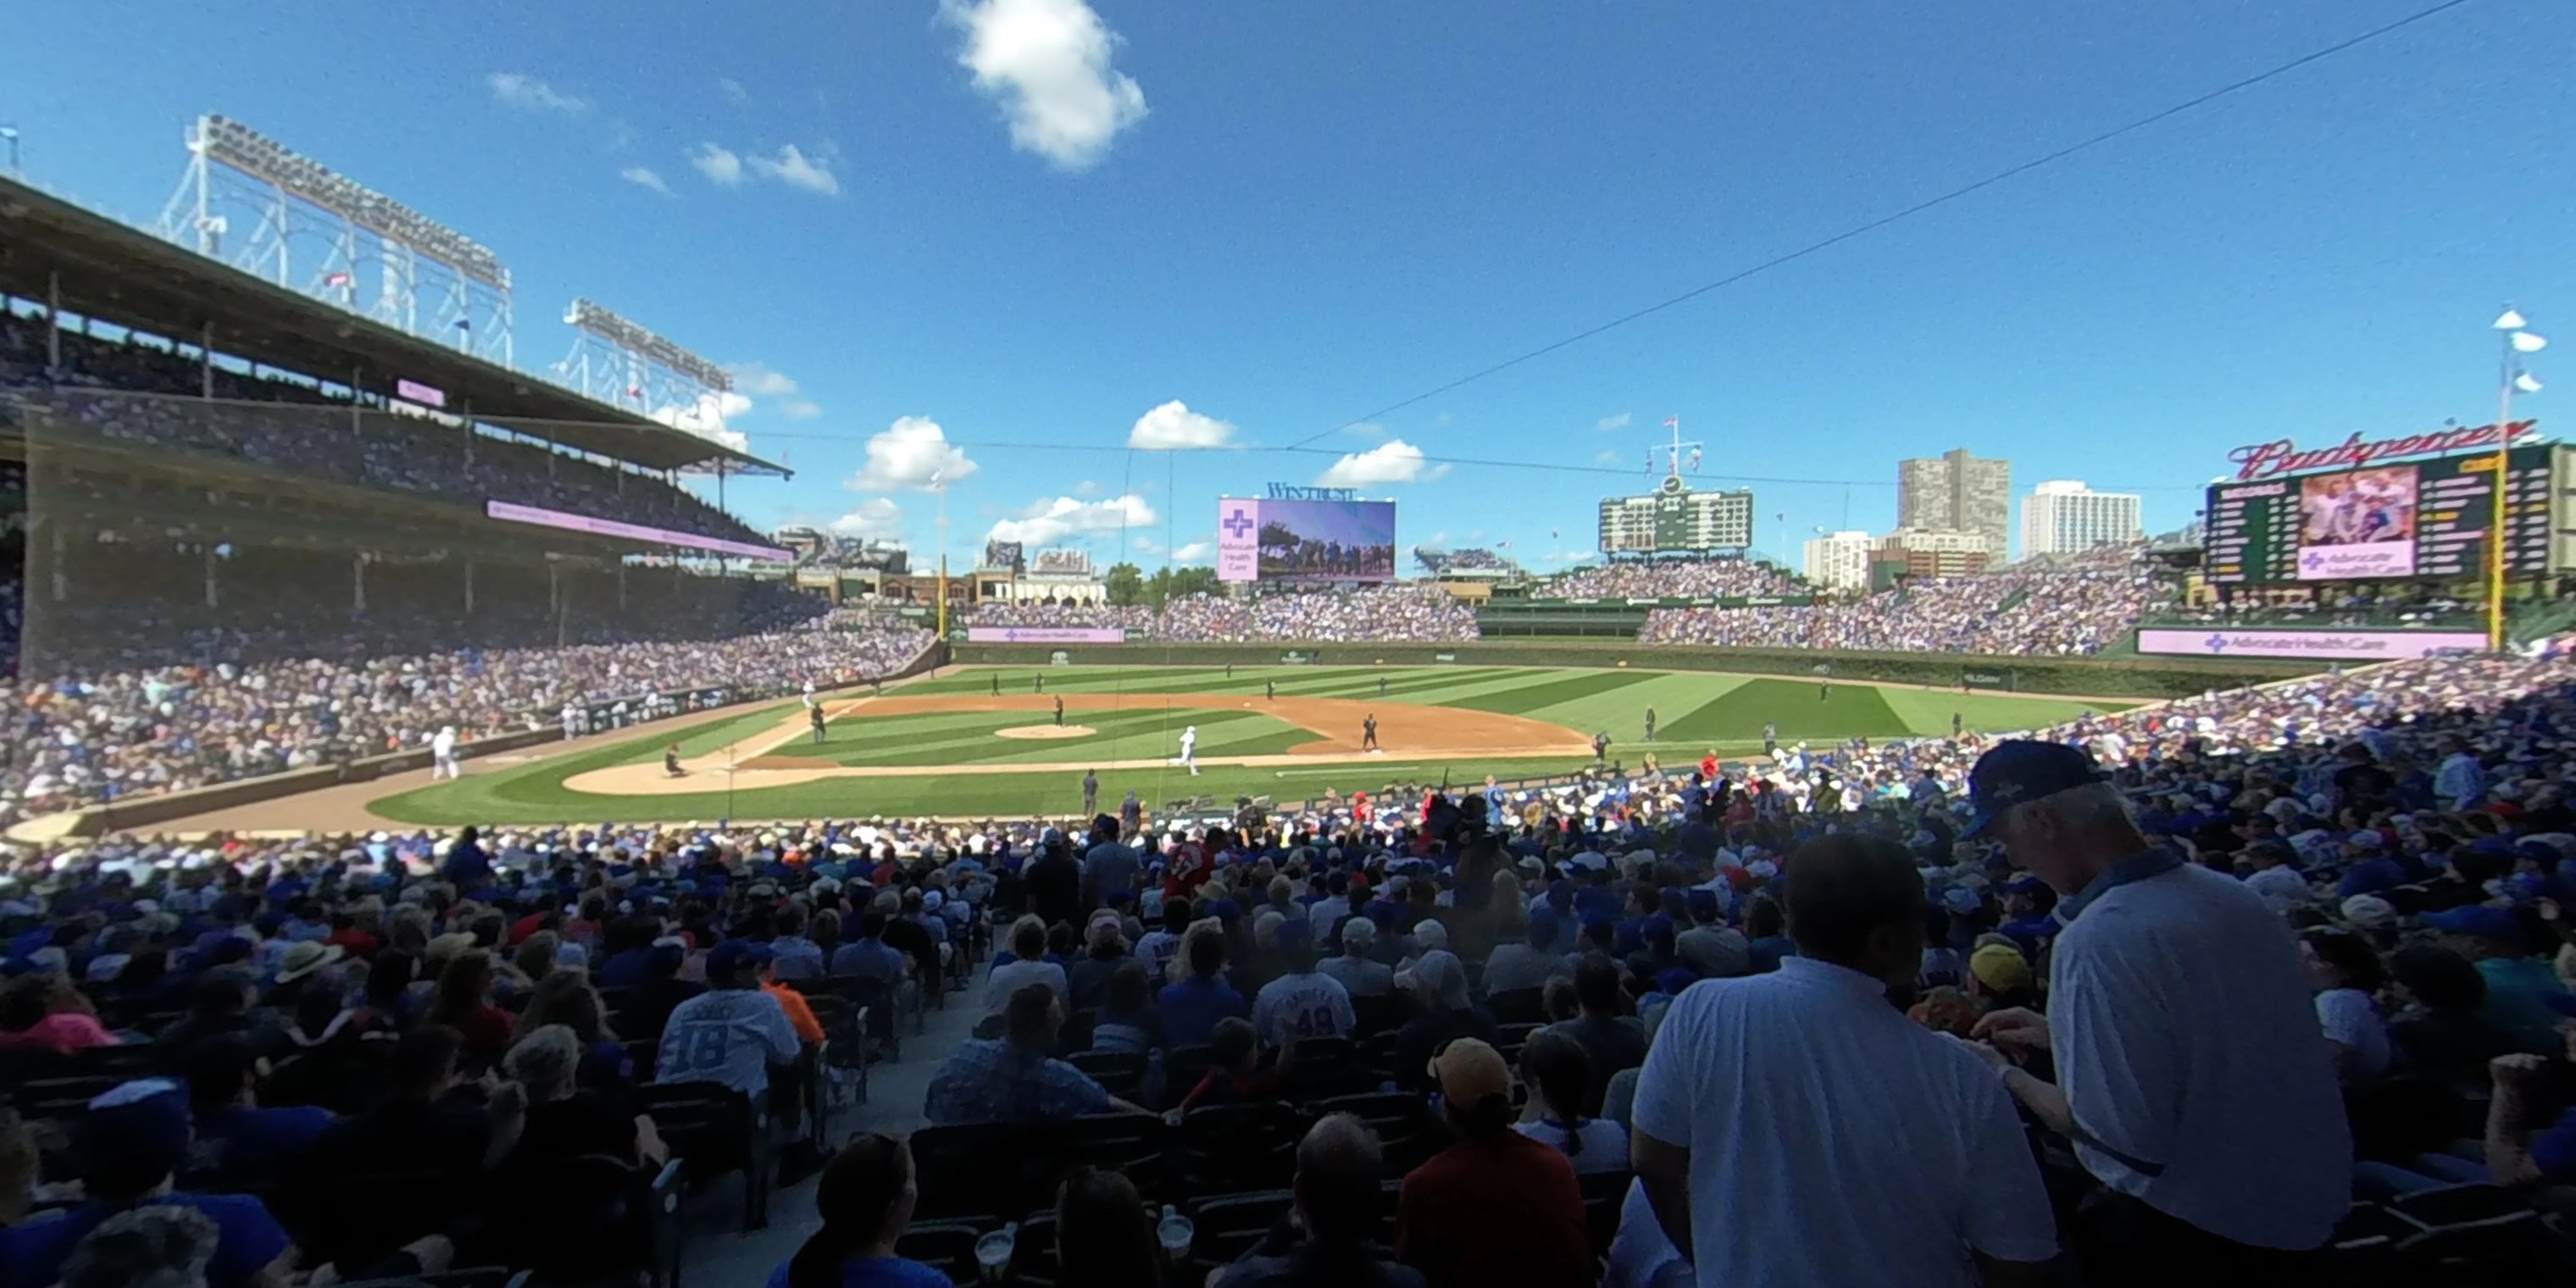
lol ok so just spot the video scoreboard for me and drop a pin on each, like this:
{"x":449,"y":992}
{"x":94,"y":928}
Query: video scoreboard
{"x":2422,"y":519}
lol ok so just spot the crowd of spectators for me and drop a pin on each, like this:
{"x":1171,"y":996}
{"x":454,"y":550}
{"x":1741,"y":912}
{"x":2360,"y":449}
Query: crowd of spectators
{"x":1390,"y":612}
{"x":89,"y":733}
{"x":1466,"y":559}
{"x":2079,"y":605}
{"x":1691,"y":577}
{"x":1134,"y":617}
{"x":136,"y":393}
{"x":2193,"y":991}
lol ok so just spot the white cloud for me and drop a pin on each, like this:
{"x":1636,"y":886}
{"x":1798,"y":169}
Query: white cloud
{"x":1190,"y":552}
{"x":1440,"y":538}
{"x":1174,"y":425}
{"x":1608,"y":457}
{"x":1046,"y":62}
{"x":1367,"y":429}
{"x":1146,"y":545}
{"x":1393,"y":461}
{"x":906,"y":454}
{"x":800,"y":409}
{"x":733,"y":89}
{"x":721,"y":167}
{"x":643,"y":176}
{"x":1086,"y":488}
{"x":876,"y":517}
{"x":707,"y":416}
{"x":518,"y":89}
{"x":758,"y":380}
{"x":797,"y":170}
{"x":1608,"y":423}
{"x":1047,"y":522}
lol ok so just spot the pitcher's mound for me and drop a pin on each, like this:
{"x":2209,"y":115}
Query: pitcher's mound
{"x":1045,"y":731}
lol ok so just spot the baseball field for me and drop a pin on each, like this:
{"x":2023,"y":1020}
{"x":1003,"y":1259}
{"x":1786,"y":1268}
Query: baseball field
{"x":989,"y":740}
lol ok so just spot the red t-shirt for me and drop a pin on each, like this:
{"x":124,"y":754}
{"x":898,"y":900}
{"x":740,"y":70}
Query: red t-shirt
{"x":526,"y":926}
{"x":355,"y":942}
{"x":1496,"y":1210}
{"x":1185,"y":869}
{"x":1707,"y":768}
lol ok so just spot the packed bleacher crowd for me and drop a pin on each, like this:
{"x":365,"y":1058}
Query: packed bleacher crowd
{"x":2260,"y":987}
{"x":1391,"y":612}
{"x":1038,"y":613}
{"x":1672,"y":578}
{"x":135,"y":393}
{"x":1465,"y":559}
{"x":2079,"y":605}
{"x":85,"y":732}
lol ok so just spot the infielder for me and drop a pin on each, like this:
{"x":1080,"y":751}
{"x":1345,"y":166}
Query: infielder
{"x":1368,"y":731}
{"x":442,"y":754}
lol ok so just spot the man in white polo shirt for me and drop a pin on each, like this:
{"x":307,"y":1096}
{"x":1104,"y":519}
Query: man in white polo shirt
{"x":2192,"y":1076}
{"x":1795,"y":1129}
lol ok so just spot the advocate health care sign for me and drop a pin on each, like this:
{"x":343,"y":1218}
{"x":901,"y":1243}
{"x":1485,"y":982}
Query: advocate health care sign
{"x":2371,"y":646}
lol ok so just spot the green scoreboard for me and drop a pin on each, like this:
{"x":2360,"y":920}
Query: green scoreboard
{"x":2420,"y":519}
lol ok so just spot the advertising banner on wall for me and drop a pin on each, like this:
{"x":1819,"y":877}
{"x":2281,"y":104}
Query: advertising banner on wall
{"x":1046,"y":635}
{"x":1304,"y":540}
{"x":2366,"y":646}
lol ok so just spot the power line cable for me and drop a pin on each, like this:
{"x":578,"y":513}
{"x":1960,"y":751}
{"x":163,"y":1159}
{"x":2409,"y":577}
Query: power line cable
{"x":1908,"y":212}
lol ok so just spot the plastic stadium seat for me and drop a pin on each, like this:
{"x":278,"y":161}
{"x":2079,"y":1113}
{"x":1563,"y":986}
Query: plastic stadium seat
{"x":982,"y":1169}
{"x":1518,"y":1006}
{"x":1603,"y":1193}
{"x":2453,"y":1204}
{"x":1381,"y":1014}
{"x":715,"y":1129}
{"x":1122,"y":1073}
{"x":945,"y":1246}
{"x":1229,"y":1225}
{"x":1239,"y":1147}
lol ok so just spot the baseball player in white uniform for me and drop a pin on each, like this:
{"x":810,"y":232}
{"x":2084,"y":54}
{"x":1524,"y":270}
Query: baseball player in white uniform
{"x":809,"y":695}
{"x":1189,"y":746}
{"x":442,"y":754}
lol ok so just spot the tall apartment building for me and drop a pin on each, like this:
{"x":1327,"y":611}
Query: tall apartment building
{"x":1934,"y":552}
{"x":1956,"y":492}
{"x":1839,"y":560}
{"x":2062,"y":516}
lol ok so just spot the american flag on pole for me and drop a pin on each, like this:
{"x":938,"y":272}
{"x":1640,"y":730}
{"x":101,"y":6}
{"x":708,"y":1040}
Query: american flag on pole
{"x":1694,"y":458}
{"x":1672,"y":422}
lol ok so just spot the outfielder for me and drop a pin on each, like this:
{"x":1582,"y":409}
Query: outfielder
{"x":1189,"y":749}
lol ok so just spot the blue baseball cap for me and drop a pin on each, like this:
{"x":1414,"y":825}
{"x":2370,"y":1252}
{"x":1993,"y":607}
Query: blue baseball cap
{"x":2023,"y":770}
{"x":734,"y":954}
{"x":2479,"y":920}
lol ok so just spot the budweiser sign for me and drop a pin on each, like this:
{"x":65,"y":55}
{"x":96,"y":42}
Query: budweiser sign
{"x":2281,"y":456}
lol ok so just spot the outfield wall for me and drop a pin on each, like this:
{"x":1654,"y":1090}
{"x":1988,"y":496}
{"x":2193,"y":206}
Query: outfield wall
{"x":2094,"y":677}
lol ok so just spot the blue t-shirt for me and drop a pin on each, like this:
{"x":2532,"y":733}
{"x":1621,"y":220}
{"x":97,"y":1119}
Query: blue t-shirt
{"x":877,"y":1272}
{"x":249,"y":1145}
{"x":1192,"y":1007}
{"x":247,"y":1238}
{"x":731,"y":1035}
{"x":868,"y":959}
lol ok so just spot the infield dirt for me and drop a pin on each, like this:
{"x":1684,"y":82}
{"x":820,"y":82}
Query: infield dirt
{"x":762,"y":760}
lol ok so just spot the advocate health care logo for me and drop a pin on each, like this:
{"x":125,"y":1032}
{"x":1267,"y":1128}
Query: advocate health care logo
{"x":2282,"y":456}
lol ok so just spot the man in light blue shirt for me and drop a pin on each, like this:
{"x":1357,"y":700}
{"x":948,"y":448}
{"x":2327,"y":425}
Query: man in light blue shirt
{"x":2461,"y":782}
{"x":732,"y":1032}
{"x":794,"y":955}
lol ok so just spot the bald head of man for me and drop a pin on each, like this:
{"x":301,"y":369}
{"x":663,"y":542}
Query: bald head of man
{"x":1337,"y":1180}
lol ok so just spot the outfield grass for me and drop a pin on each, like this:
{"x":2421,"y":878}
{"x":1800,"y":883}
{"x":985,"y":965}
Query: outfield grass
{"x":1695,"y":712}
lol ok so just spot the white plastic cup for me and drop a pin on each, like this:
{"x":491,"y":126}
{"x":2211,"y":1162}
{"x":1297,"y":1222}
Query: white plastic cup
{"x":1175,"y":1233}
{"x":993,"y":1252}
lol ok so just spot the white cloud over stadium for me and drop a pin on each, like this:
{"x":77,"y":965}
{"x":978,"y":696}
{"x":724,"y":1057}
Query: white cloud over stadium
{"x":1393,"y":461}
{"x":907,"y":456}
{"x":1046,"y":62}
{"x":1174,"y":425}
{"x":1046,"y":522}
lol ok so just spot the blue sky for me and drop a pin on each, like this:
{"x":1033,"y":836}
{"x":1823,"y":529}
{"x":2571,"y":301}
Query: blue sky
{"x":1002,"y":234}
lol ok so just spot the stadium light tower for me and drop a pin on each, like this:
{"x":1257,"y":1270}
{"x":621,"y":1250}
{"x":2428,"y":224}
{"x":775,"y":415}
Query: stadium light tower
{"x":616,"y":362}
{"x":317,"y":231}
{"x":2515,"y":338}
